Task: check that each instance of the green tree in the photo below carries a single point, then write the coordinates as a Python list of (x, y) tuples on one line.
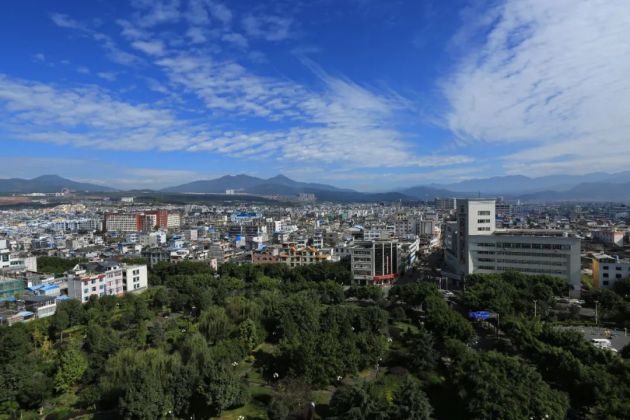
[(249, 334), (15, 342), (504, 387), (214, 324), (71, 366), (410, 402), (445, 322), (357, 402), (221, 388), (422, 355)]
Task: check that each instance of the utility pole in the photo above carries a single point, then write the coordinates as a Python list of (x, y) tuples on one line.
[(596, 305), (535, 308)]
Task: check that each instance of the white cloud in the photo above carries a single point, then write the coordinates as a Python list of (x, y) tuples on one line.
[(109, 76), (270, 28), (64, 21), (155, 47), (552, 78), (196, 35), (196, 13), (220, 12), (236, 39), (157, 12), (335, 122), (113, 51)]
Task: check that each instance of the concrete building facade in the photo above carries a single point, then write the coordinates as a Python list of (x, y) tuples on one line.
[(472, 244)]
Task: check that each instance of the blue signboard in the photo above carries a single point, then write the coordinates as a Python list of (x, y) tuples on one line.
[(479, 315)]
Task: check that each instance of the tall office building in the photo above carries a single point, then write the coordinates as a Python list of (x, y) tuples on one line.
[(472, 244)]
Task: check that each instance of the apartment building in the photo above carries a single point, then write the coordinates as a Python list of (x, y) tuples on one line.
[(608, 270), (609, 236), (16, 261), (290, 254), (444, 204), (472, 244), (375, 262), (142, 221), (105, 278)]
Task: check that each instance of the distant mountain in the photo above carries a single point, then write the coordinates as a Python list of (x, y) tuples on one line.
[(588, 191), (228, 182), (519, 184), (277, 185), (47, 184)]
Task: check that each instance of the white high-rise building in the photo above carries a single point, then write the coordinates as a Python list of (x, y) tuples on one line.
[(472, 244)]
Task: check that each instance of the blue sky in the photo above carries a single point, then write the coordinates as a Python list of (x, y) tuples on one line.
[(365, 94)]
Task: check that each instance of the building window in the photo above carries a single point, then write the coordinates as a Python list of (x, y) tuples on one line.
[(605, 267), (605, 282), (605, 275)]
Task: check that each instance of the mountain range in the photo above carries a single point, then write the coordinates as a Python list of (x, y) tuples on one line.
[(598, 186), (519, 184), (281, 185), (47, 184)]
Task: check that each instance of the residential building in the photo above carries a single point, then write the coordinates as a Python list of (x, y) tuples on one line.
[(135, 278), (143, 221), (607, 270), (105, 278), (375, 262), (444, 204), (609, 236), (17, 261)]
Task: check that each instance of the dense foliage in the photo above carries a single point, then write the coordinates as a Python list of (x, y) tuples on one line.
[(269, 342), (56, 265)]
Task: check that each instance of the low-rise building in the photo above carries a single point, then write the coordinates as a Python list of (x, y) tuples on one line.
[(607, 270), (105, 278)]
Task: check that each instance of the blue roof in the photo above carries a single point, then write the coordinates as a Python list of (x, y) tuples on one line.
[(8, 299), (25, 313), (63, 297), (50, 287)]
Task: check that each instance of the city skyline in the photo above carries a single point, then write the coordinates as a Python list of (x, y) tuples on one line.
[(361, 95)]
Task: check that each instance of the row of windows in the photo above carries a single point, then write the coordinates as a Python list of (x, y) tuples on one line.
[(485, 229), (483, 220), (483, 213), (618, 276), (524, 262), (522, 270), (617, 268), (523, 245), (522, 254)]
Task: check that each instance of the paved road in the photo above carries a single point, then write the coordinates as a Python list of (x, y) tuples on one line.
[(618, 338)]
